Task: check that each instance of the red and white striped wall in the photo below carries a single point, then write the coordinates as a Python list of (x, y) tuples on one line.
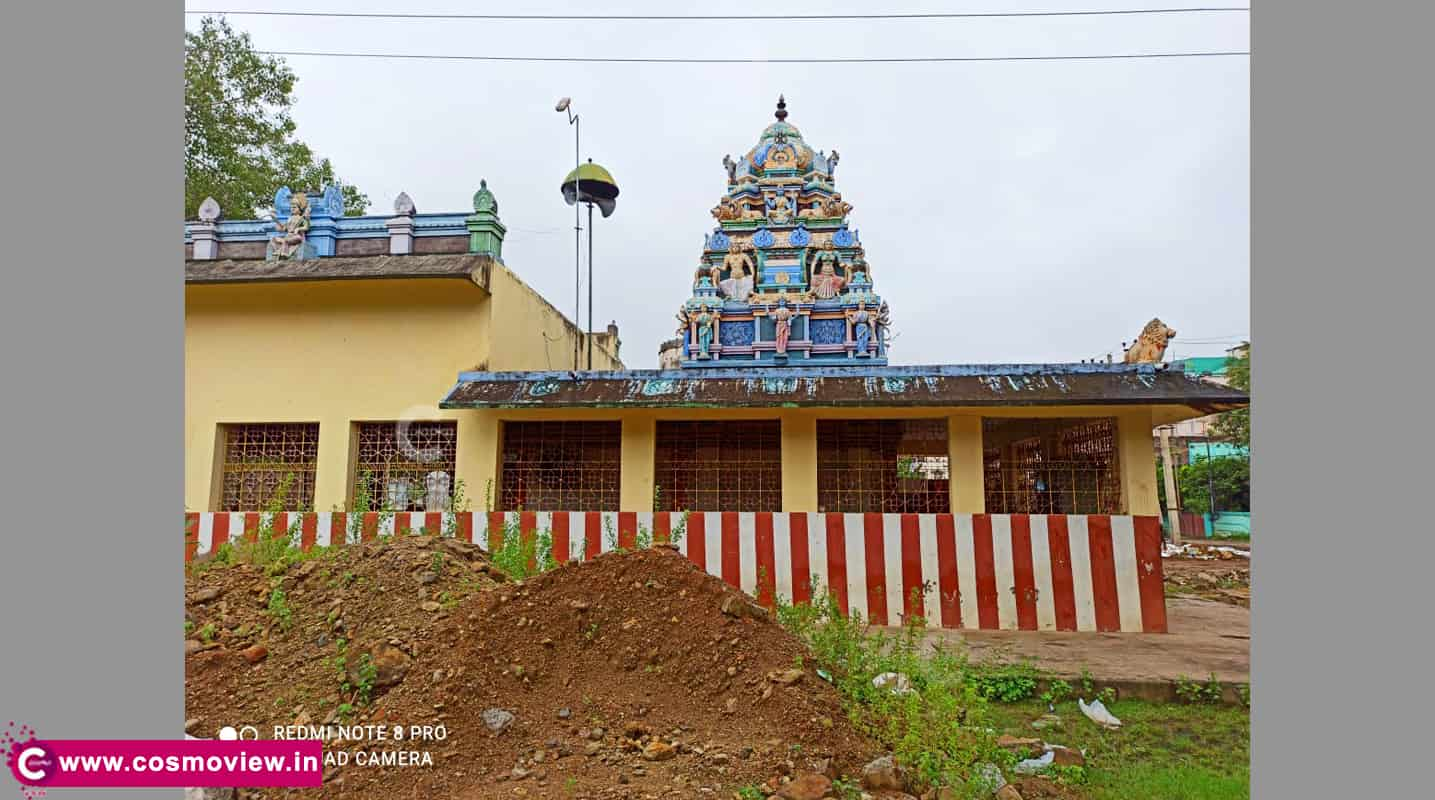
[(1059, 572)]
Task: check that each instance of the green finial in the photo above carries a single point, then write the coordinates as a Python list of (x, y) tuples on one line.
[(485, 232), (483, 199)]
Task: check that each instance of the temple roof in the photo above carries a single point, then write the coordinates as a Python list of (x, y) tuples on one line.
[(972, 385), (458, 265)]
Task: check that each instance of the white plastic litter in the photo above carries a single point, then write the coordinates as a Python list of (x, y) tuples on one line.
[(1031, 766), (1200, 552), (896, 681), (988, 776), (1096, 712)]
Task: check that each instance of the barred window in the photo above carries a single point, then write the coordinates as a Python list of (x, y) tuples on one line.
[(560, 466), (268, 463), (718, 466), (883, 465), (405, 466), (1051, 466)]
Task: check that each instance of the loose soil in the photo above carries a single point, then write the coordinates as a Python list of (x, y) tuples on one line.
[(1225, 580), (597, 662)]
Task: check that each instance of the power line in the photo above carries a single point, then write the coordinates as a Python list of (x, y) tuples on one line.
[(722, 17), (639, 60)]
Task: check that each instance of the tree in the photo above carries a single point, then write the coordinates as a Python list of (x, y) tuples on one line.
[(1230, 477), (1235, 426), (239, 144)]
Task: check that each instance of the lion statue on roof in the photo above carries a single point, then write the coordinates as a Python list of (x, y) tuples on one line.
[(1150, 346)]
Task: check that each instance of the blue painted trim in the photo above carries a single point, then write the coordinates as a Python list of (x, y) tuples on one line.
[(846, 371), (366, 227)]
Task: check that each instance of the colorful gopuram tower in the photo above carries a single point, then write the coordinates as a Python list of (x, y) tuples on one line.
[(782, 280)]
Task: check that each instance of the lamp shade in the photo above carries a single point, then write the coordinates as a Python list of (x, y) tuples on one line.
[(591, 183)]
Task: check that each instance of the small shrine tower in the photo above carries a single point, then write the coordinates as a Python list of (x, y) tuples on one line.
[(782, 280)]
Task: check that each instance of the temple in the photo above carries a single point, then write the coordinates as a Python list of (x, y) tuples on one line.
[(783, 279), (394, 373)]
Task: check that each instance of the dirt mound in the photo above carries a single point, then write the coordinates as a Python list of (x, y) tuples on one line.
[(273, 644), (632, 675)]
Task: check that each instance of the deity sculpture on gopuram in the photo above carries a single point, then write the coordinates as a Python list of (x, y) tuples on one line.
[(783, 280)]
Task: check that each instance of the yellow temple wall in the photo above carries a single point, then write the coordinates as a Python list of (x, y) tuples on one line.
[(531, 334), (342, 352), (479, 458)]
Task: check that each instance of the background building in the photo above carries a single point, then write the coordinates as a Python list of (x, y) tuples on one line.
[(1193, 439)]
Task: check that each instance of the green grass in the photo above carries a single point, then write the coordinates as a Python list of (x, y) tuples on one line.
[(1169, 783), (1164, 751)]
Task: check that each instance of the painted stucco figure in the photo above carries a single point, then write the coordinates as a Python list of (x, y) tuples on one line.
[(782, 325), (861, 320), (731, 167), (836, 207), (705, 322), (884, 322), (740, 266), (780, 209), (290, 240), (726, 209), (1150, 346), (707, 275), (825, 282)]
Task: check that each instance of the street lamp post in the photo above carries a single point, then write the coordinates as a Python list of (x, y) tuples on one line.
[(565, 105), (591, 184)]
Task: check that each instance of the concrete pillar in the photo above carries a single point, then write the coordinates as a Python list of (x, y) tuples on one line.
[(964, 453), (332, 473), (799, 462), (635, 485), (203, 468), (401, 226), (205, 233), (476, 461), (1138, 466), (1173, 500), (205, 236)]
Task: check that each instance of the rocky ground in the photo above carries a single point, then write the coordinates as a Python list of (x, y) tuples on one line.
[(1211, 574)]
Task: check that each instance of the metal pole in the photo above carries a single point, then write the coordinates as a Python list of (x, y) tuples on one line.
[(589, 333), (577, 239), (1211, 484)]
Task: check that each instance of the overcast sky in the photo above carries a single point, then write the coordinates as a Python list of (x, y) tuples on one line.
[(1011, 212)]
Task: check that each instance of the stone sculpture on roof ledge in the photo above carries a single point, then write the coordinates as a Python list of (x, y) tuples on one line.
[(783, 280), (1150, 346), (290, 243)]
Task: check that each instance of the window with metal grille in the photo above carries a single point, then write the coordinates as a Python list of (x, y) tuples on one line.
[(560, 466), (718, 466), (268, 463), (405, 466), (885, 465), (1051, 466)]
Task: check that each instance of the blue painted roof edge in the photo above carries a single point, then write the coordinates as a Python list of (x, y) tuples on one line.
[(368, 226), (914, 371)]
